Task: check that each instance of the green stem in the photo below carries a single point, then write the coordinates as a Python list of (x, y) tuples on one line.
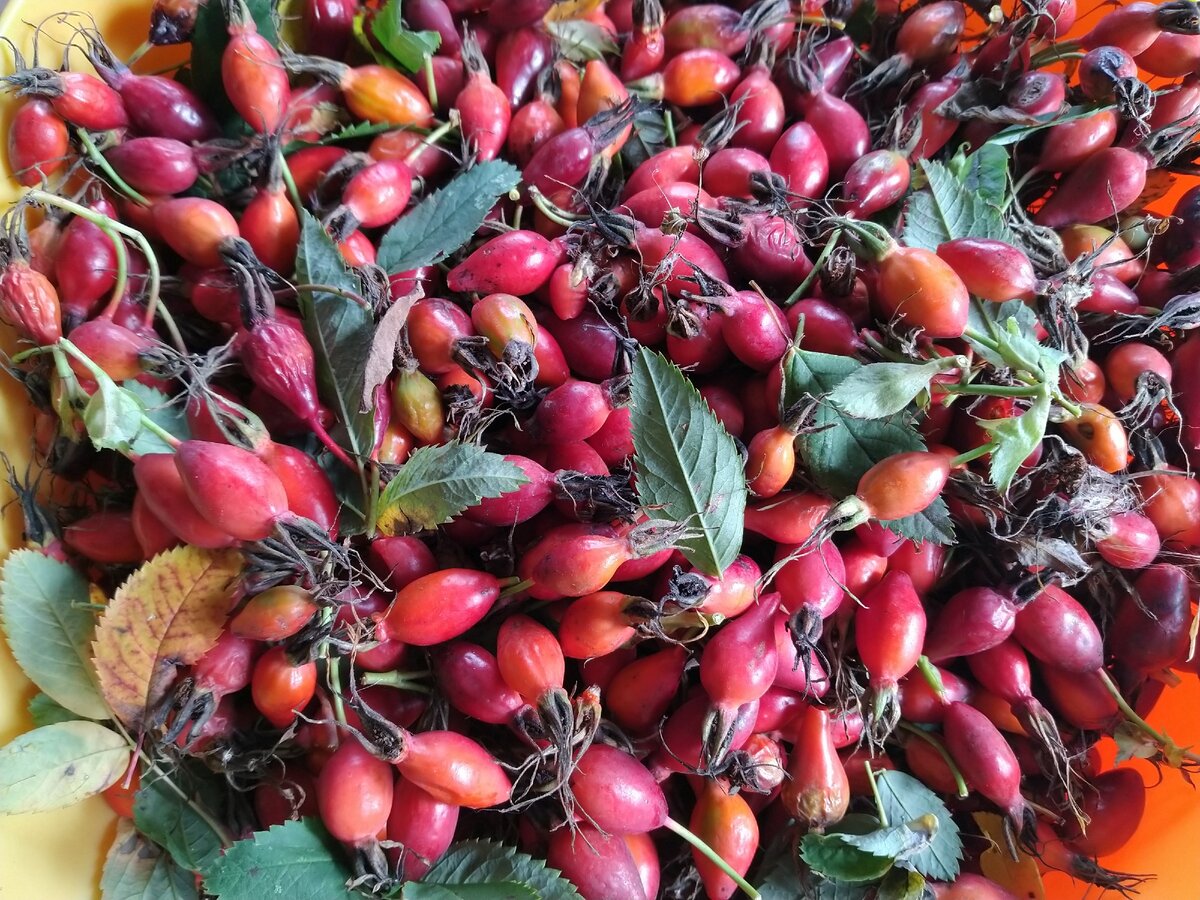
[(98, 158), (515, 587), (404, 681), (932, 677), (336, 291), (669, 123), (371, 471), (122, 271), (430, 83), (963, 458), (883, 818), (154, 279), (826, 252), (1171, 750), (142, 49), (712, 855), (333, 673), (992, 390), (1059, 52), (285, 172), (432, 138), (928, 738), (550, 211)]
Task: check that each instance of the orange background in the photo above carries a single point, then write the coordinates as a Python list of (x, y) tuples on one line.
[(57, 856)]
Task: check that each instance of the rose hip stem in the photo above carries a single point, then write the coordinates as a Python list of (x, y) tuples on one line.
[(94, 154), (712, 854)]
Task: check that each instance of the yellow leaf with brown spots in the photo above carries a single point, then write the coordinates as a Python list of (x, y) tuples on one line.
[(572, 9), (169, 613)]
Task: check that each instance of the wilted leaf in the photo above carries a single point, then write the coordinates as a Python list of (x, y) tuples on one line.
[(59, 765), (43, 607), (167, 614), (905, 799), (112, 416), (382, 357), (135, 869)]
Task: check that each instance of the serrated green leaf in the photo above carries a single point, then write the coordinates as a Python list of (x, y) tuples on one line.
[(904, 799), (135, 869), (895, 842), (209, 37), (987, 174), (49, 629), (1016, 437), (166, 818), (945, 210), (507, 890), (347, 133), (297, 860), (408, 48), (446, 219), (1016, 133), (159, 409), (439, 482), (688, 467), (883, 389), (901, 884), (340, 331), (112, 416), (1004, 335), (59, 765), (580, 40), (838, 449), (44, 710), (830, 856), (482, 862)]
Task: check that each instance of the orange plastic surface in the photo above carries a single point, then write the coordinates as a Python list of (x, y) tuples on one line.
[(58, 855)]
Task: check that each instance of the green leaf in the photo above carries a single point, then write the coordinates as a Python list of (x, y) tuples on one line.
[(1010, 339), (297, 860), (838, 449), (447, 218), (59, 765), (1016, 133), (900, 884), (113, 416), (347, 133), (408, 48), (831, 857), (507, 890), (987, 175), (945, 210), (340, 331), (481, 862), (43, 608), (649, 136), (209, 37), (904, 799), (580, 40), (439, 482), (882, 389), (168, 820), (135, 869), (157, 407), (44, 710), (895, 842), (688, 467), (1016, 437)]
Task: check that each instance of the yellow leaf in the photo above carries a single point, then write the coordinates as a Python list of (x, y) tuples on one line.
[(571, 9), (1021, 876), (169, 613)]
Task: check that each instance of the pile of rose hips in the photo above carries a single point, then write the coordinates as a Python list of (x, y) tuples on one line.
[(546, 653)]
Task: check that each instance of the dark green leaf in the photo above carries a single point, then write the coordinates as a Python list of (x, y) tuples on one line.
[(945, 209), (349, 489), (408, 48), (688, 467), (901, 884), (882, 389), (987, 174), (45, 711), (135, 869), (113, 416), (580, 40), (439, 482), (830, 856), (209, 38), (649, 136), (1016, 437), (482, 862), (159, 409), (43, 608), (1015, 133), (446, 219), (507, 890), (904, 799), (166, 818), (839, 448), (340, 331), (297, 861), (347, 133)]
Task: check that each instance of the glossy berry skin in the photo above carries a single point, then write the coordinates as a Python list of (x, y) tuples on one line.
[(275, 614), (890, 629), (232, 488), (600, 865), (280, 688), (530, 659), (1150, 630), (920, 289), (1115, 805), (354, 793), (517, 262), (195, 228), (454, 769), (992, 270), (973, 620), (726, 823), (875, 181), (1056, 629), (984, 757), (470, 678), (38, 144), (818, 792), (254, 78), (440, 606), (423, 825), (617, 793), (903, 484)]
